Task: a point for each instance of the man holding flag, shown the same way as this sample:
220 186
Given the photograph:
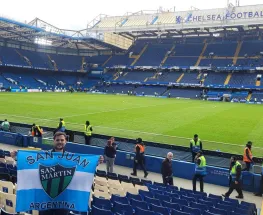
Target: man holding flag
62 179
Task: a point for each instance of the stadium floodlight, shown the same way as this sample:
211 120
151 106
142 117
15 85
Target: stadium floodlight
42 41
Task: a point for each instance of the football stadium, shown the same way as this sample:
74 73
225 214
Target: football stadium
178 94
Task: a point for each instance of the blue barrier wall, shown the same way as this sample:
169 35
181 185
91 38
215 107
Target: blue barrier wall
181 169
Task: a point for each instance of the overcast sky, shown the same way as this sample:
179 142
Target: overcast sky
75 14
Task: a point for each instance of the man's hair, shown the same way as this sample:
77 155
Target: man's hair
5 119
234 158
200 152
139 140
170 153
61 119
59 133
249 143
196 135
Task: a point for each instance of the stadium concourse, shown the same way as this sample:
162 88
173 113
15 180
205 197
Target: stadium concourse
213 191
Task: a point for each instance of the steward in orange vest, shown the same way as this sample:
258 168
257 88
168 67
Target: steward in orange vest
139 158
248 157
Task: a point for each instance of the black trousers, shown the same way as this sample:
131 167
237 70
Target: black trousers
54 212
168 180
201 179
237 187
140 162
193 156
87 140
247 168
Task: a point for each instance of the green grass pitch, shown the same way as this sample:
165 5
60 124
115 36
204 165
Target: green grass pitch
223 126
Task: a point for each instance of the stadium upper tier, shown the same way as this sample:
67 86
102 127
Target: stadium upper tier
177 52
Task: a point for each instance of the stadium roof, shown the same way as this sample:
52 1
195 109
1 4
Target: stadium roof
40 32
171 23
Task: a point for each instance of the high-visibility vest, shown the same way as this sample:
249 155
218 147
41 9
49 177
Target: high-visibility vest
87 130
233 171
33 130
142 148
63 128
196 145
201 169
245 158
5 126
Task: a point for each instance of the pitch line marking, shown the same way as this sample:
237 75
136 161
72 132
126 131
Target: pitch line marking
132 131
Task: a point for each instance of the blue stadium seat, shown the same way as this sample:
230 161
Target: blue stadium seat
140 211
124 178
205 202
152 200
233 201
159 184
182 202
200 193
101 203
215 201
172 195
155 191
144 193
7 153
120 199
136 181
144 181
122 208
159 209
139 204
180 193
196 196
186 190
188 199
209 213
176 212
243 211
225 207
215 196
98 211
252 205
171 206
101 173
133 196
218 211
3 165
202 207
162 197
193 211
3 212
112 176
172 187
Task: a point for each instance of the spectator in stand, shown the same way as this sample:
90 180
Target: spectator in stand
167 169
35 131
110 155
248 157
60 141
5 126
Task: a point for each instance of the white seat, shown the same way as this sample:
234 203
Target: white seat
131 190
101 188
100 194
138 187
119 192
9 198
7 187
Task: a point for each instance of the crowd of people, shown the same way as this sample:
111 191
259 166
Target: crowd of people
166 168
